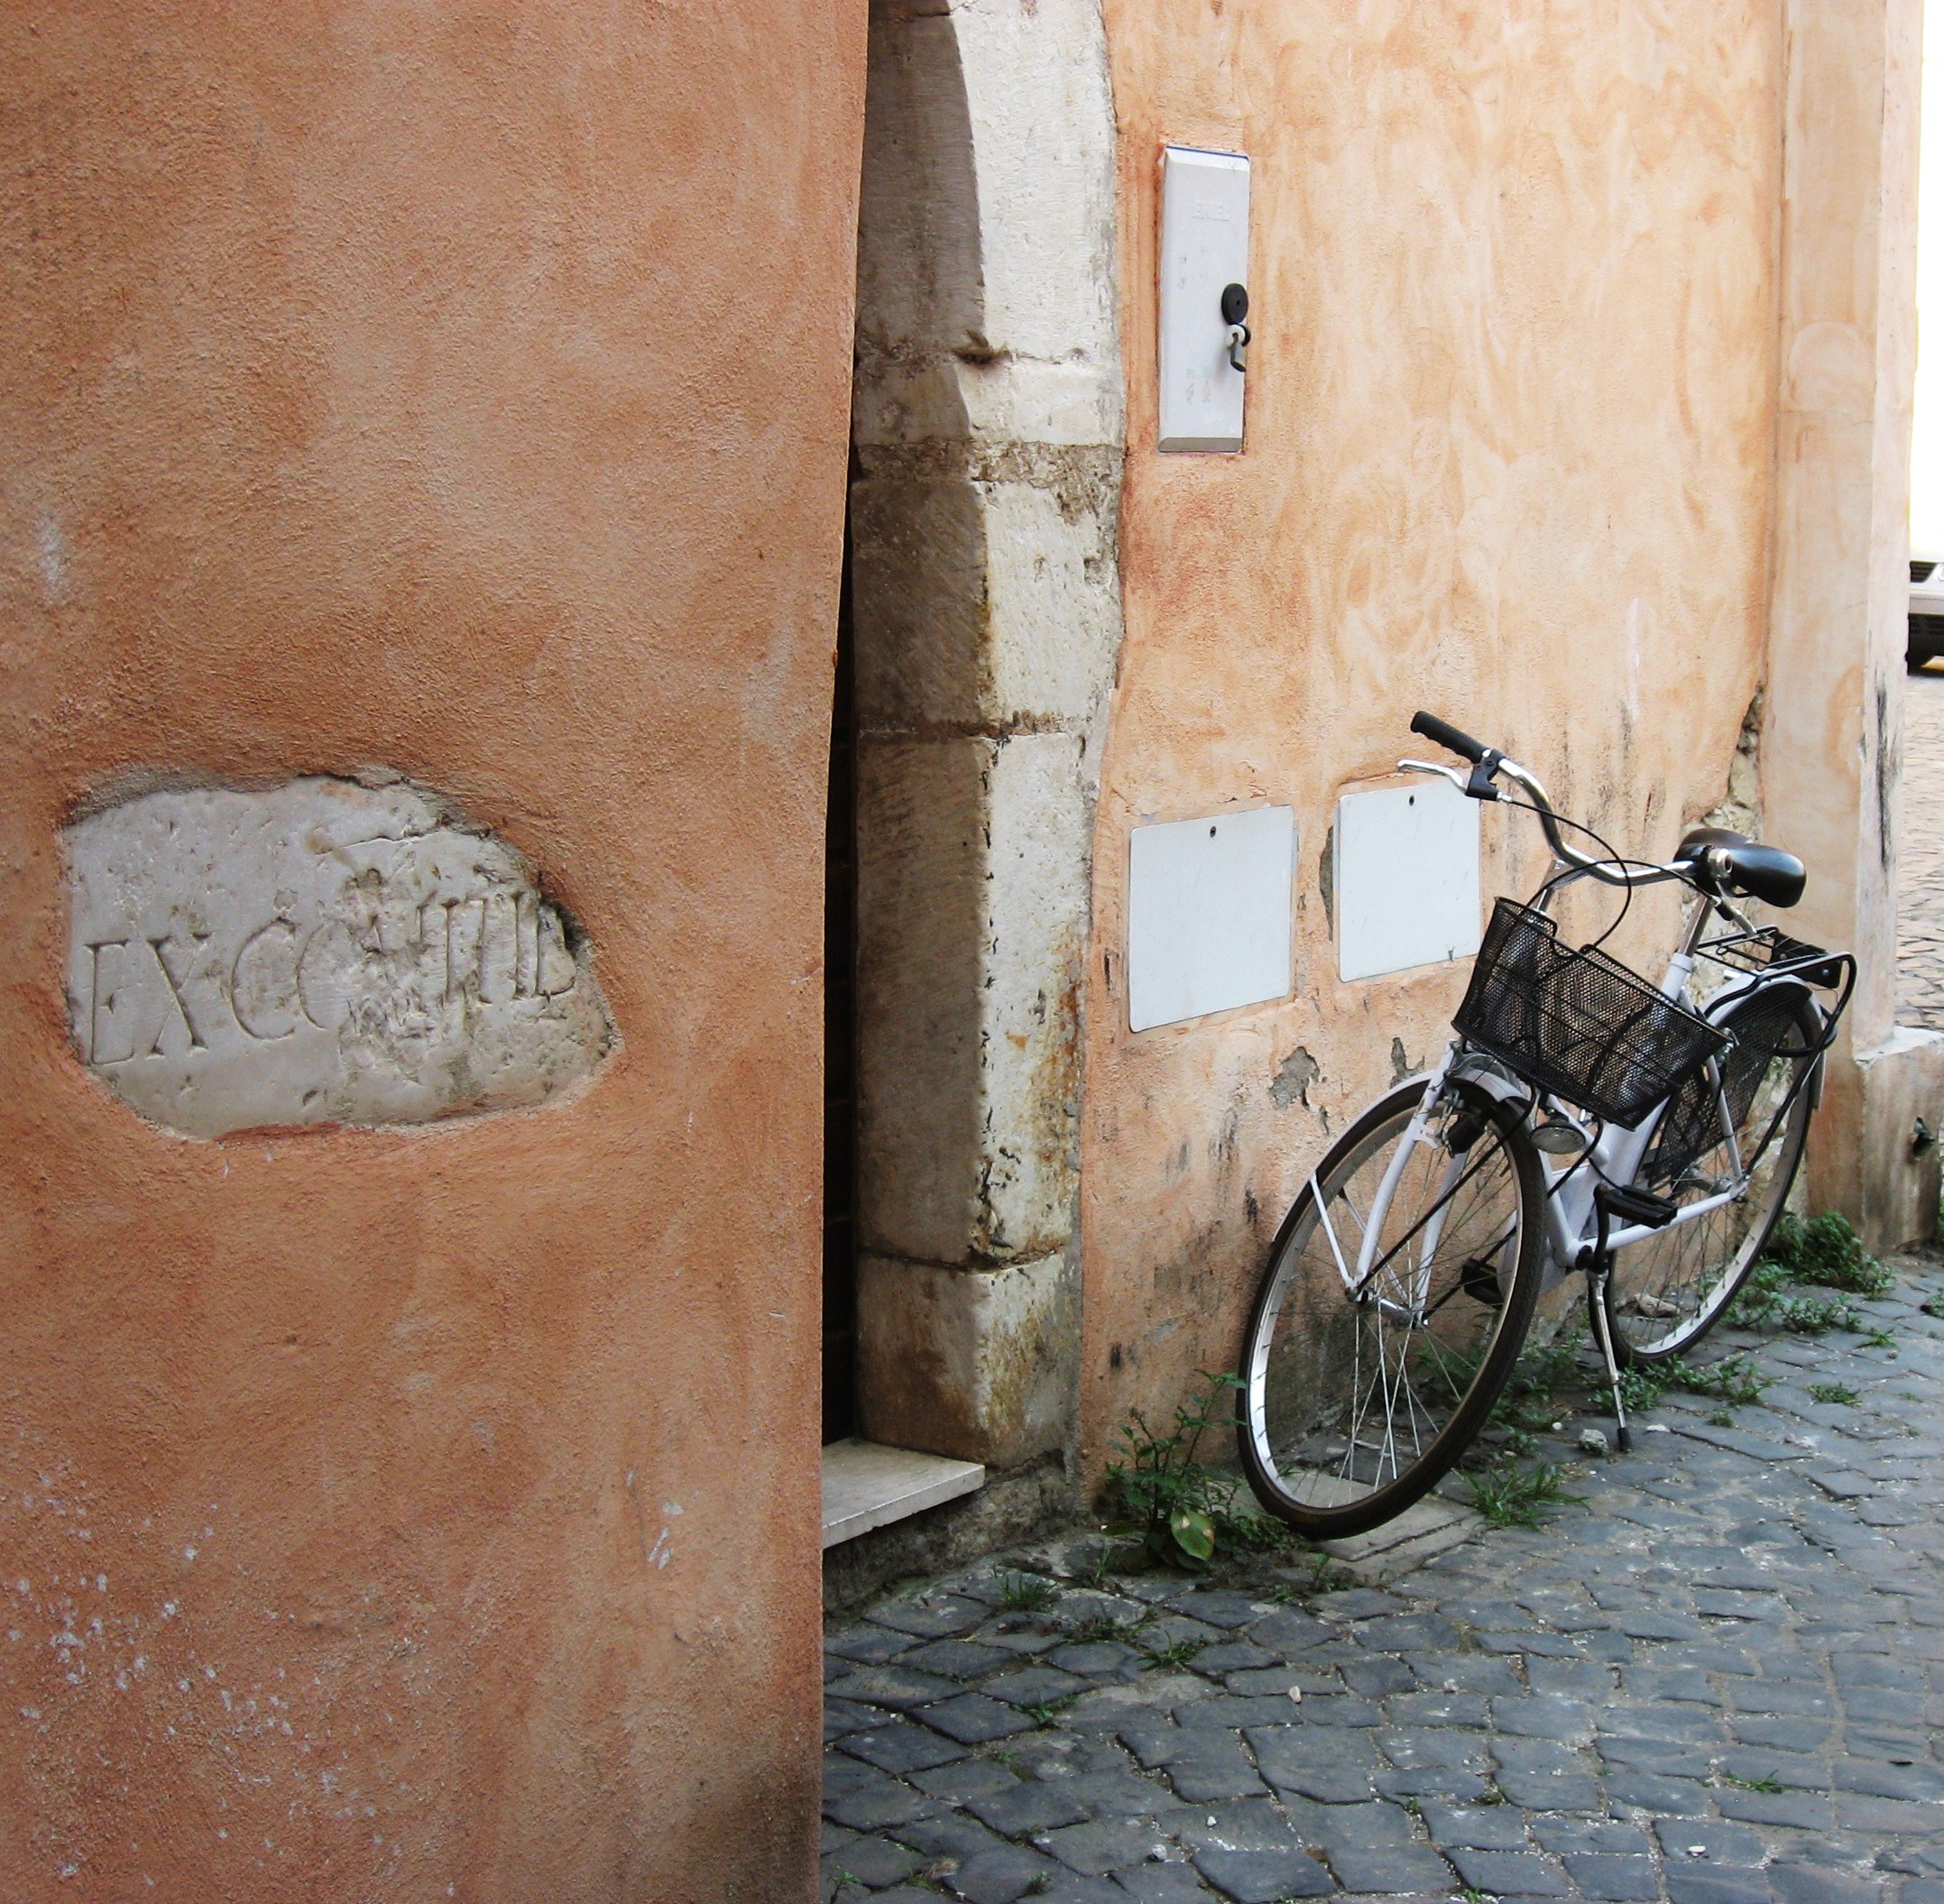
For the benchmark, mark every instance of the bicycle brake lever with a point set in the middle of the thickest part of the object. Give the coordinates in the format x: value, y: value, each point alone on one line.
x: 1433, y: 767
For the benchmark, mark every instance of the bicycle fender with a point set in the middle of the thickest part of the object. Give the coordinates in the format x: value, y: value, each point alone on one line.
x: 1732, y: 993
x: 1491, y: 1077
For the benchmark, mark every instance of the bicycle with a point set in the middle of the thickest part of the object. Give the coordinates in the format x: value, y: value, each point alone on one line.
x: 1582, y: 1121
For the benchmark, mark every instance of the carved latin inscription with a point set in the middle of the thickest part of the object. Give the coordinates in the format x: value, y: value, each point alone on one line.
x: 321, y: 952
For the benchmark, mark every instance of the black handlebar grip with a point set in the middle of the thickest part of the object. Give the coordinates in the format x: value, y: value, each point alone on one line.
x: 1447, y: 736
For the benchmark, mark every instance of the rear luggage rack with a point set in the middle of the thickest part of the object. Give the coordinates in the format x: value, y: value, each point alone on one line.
x: 1771, y: 951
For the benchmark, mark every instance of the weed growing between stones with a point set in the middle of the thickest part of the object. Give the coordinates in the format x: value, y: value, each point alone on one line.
x: 1825, y: 1252
x: 1731, y: 1380
x: 1323, y: 1578
x: 1528, y: 1404
x: 1504, y: 1493
x: 1026, y: 1593
x: 1642, y: 1386
x: 1180, y: 1509
x: 1834, y: 1392
x: 1510, y: 1496
x: 1048, y: 1713
x: 1761, y: 1304
x: 1828, y: 1252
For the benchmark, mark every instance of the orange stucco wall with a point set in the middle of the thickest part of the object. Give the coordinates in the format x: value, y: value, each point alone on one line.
x: 459, y: 390
x: 1509, y: 457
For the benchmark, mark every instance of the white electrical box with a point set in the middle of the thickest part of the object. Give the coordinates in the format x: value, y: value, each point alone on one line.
x: 1204, y: 249
x: 1406, y: 878
x: 1209, y: 911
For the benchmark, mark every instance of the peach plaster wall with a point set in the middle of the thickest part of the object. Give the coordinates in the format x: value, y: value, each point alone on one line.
x: 1509, y: 457
x: 461, y: 390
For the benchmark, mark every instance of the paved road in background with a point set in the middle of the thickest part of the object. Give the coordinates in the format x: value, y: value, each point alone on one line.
x: 1719, y: 1680
x: 1920, y: 870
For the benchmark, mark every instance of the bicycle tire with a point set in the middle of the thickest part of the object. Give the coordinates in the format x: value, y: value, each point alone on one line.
x: 1666, y: 1294
x: 1292, y: 1405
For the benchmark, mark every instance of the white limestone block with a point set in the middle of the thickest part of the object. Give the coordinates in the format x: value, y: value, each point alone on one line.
x: 321, y: 951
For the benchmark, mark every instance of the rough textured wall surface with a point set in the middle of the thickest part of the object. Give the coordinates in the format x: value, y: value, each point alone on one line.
x: 1509, y: 457
x: 427, y: 1514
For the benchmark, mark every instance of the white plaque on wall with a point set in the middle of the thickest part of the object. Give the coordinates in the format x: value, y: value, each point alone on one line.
x: 1405, y: 877
x: 1204, y: 249
x: 1209, y: 907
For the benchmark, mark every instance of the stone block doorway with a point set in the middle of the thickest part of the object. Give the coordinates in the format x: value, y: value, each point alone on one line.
x: 974, y: 661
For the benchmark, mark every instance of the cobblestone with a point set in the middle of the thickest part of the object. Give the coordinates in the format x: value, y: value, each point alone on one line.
x: 1717, y: 1678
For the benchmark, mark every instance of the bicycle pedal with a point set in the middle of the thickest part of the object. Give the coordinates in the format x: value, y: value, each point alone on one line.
x: 1637, y: 1206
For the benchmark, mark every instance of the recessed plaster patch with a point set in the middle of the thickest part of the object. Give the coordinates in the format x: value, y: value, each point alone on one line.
x: 317, y: 952
x: 1291, y: 1084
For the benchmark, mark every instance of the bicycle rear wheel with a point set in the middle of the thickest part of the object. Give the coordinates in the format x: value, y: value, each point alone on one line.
x: 1666, y: 1294
x: 1362, y: 1387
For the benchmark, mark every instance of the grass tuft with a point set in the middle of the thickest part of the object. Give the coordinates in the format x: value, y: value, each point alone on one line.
x: 1510, y: 1496
x: 1828, y: 1252
x: 1048, y: 1711
x: 1102, y: 1626
x: 1729, y: 1380
x: 1825, y: 1252
x: 1834, y: 1392
x: 1026, y: 1593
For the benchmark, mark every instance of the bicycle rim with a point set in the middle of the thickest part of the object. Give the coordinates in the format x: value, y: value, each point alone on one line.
x: 1361, y: 1389
x: 1666, y: 1294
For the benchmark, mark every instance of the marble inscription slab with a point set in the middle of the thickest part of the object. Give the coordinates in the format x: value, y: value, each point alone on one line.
x: 321, y: 951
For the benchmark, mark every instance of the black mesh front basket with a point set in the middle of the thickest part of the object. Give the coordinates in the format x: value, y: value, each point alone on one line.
x: 1578, y: 1023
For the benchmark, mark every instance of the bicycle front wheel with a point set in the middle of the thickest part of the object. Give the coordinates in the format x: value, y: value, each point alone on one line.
x: 1666, y: 1294
x: 1384, y: 1327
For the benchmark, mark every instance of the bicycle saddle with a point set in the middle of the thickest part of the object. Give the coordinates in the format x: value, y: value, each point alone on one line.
x: 1725, y: 861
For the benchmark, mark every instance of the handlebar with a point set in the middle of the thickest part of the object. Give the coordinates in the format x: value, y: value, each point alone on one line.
x: 1488, y: 764
x: 1453, y: 740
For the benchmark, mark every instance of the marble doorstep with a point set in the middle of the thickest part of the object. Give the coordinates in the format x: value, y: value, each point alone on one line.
x: 866, y: 1486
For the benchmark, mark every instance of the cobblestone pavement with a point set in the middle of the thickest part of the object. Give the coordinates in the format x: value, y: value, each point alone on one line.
x: 1717, y: 1679
x: 1921, y: 867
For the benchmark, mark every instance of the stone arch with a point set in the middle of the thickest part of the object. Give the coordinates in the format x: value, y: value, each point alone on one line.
x: 987, y: 435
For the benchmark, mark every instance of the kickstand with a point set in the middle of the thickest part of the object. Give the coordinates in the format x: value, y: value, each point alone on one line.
x: 1597, y: 1273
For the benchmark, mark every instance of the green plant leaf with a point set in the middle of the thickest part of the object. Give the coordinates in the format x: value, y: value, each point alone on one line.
x: 1193, y: 1531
